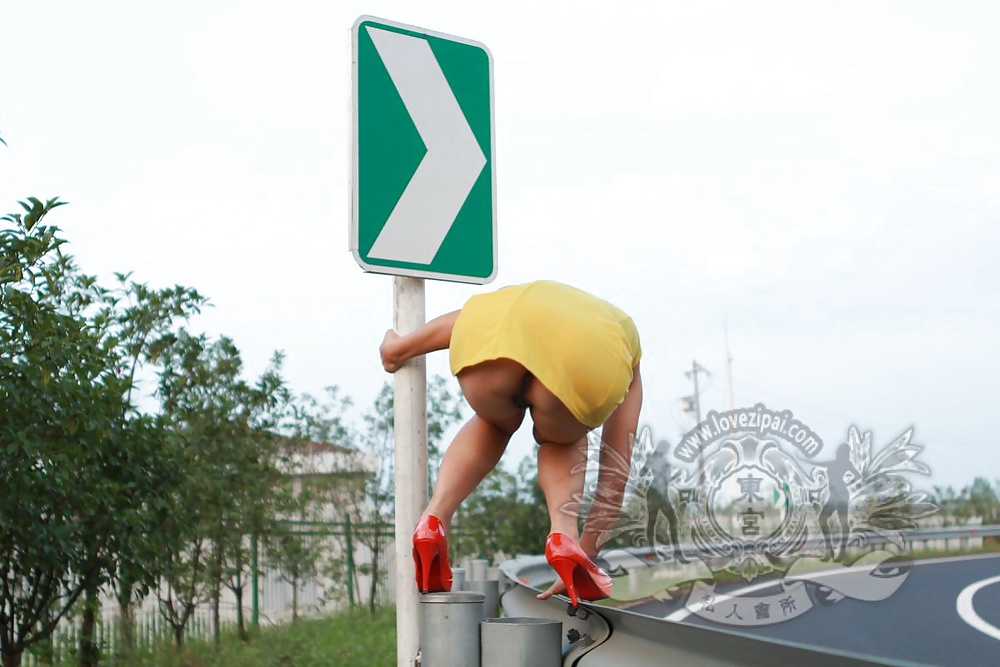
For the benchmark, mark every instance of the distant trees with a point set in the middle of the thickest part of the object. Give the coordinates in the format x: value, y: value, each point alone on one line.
x: 328, y: 471
x: 234, y: 486
x: 977, y: 500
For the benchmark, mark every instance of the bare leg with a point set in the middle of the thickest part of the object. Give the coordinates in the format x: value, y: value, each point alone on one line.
x: 555, y: 463
x: 560, y: 485
x: 493, y: 391
x: 562, y: 447
x: 473, y: 453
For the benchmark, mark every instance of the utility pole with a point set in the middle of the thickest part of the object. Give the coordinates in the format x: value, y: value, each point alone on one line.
x: 729, y: 372
x: 693, y: 374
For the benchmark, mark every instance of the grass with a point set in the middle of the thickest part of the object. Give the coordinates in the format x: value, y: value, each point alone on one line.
x: 348, y: 638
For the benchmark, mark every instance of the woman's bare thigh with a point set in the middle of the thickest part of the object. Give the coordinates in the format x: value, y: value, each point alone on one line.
x: 494, y: 390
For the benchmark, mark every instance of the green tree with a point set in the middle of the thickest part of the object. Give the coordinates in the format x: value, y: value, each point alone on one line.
x: 982, y: 501
x: 140, y: 323
x: 197, y: 404
x: 232, y: 459
x: 60, y: 431
x: 954, y: 506
x: 134, y: 323
x: 112, y: 330
x: 258, y: 495
x: 376, y: 509
x: 328, y: 476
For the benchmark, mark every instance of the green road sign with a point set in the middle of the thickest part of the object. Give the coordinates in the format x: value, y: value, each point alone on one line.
x: 423, y: 182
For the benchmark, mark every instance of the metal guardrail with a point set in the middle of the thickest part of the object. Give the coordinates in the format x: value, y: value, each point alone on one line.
x: 913, y: 537
x: 601, y: 636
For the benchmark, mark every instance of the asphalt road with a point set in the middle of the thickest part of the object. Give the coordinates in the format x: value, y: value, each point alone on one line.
x: 920, y: 623
x: 987, y: 603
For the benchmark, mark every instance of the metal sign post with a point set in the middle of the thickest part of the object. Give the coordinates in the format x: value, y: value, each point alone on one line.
x: 423, y: 206
x: 410, y: 432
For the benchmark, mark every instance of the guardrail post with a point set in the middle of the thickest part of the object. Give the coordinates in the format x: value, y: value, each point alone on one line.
x: 449, y: 629
x: 491, y: 593
x: 478, y: 570
x: 521, y: 642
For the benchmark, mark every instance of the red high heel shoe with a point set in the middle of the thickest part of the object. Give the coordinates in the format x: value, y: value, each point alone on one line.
x: 430, y: 556
x: 583, y: 579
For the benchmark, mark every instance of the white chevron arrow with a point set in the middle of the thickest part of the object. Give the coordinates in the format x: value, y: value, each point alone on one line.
x: 441, y: 183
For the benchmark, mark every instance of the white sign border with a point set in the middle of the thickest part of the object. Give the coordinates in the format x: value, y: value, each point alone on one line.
x: 353, y: 183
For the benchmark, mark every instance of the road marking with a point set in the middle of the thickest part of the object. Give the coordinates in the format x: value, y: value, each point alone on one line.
x: 684, y: 612
x: 681, y: 614
x: 424, y: 214
x: 964, y: 607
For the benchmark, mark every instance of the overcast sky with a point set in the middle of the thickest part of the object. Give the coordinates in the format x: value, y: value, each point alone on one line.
x: 823, y: 177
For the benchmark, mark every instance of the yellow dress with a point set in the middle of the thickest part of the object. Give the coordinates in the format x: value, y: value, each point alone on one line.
x: 580, y: 347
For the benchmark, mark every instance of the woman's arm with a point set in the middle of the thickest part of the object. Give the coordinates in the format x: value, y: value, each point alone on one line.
x: 396, y: 350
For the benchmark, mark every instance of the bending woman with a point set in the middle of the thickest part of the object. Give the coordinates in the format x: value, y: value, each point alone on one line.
x: 569, y: 359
